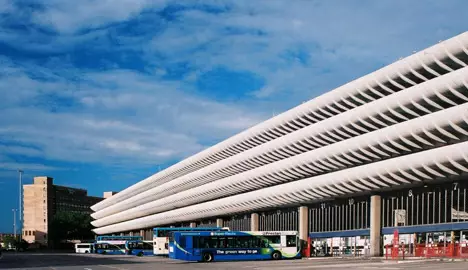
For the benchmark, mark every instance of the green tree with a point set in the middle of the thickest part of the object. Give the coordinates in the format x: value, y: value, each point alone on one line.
x: 10, y: 241
x: 70, y: 226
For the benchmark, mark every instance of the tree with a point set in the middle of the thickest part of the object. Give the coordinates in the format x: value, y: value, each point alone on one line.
x: 10, y: 241
x: 70, y: 226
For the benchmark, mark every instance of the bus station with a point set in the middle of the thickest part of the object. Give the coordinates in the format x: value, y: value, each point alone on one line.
x: 380, y: 161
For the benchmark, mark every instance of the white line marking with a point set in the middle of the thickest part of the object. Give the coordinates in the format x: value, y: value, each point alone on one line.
x: 113, y: 267
x: 343, y: 265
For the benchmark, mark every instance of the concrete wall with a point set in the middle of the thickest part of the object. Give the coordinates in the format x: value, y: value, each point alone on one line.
x: 36, y: 210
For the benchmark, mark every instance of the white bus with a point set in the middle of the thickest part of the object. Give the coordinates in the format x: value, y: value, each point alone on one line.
x: 161, y: 237
x: 84, y: 248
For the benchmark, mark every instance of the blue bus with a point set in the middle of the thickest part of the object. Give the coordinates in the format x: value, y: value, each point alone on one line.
x: 161, y: 236
x: 106, y: 238
x: 139, y: 248
x: 113, y: 245
x: 234, y: 246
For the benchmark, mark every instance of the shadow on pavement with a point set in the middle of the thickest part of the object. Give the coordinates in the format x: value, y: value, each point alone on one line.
x: 36, y: 260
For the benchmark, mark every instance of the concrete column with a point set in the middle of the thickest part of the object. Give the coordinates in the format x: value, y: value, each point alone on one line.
x: 303, y: 224
x: 121, y: 234
x: 254, y: 222
x: 193, y: 224
x: 142, y: 234
x: 131, y: 233
x: 219, y: 222
x: 375, y: 225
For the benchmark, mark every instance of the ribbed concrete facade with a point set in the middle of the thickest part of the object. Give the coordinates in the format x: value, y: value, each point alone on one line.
x: 402, y: 125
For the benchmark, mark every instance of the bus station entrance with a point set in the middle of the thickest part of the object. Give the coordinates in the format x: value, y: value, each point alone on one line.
x: 430, y: 220
x: 340, y: 244
x: 447, y: 240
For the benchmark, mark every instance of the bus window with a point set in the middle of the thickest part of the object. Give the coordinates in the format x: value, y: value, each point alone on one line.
x: 208, y: 242
x: 222, y: 242
x: 182, y: 241
x: 163, y: 233
x: 274, y: 239
x: 171, y: 237
x: 231, y: 243
x: 291, y: 240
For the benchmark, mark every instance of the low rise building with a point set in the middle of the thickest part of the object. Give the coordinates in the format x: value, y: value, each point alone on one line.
x: 43, y: 200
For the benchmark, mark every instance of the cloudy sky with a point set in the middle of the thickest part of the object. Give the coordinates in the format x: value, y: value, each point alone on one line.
x: 102, y: 93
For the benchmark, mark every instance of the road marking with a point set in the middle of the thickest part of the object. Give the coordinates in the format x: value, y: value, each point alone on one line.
x: 113, y: 267
x: 308, y: 266
x: 382, y: 268
x: 88, y: 269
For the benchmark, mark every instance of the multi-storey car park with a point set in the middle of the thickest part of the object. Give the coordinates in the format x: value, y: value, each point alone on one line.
x: 388, y: 150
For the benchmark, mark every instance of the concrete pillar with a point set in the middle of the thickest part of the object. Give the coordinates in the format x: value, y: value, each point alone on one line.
x: 254, y: 222
x: 121, y: 234
x: 375, y: 225
x: 303, y: 224
x: 219, y: 222
x: 131, y: 233
x: 142, y: 234
x: 193, y: 224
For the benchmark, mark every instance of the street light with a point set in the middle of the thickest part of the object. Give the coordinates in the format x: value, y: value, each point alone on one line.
x: 20, y: 203
x: 14, y: 222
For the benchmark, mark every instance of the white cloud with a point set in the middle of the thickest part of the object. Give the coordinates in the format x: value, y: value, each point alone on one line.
x: 20, y: 150
x: 118, y: 116
x: 71, y: 16
x: 299, y: 48
x: 6, y: 6
x: 345, y: 37
x: 26, y: 166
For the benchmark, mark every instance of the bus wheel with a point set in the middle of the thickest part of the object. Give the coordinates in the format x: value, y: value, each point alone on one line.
x: 276, y: 255
x: 104, y: 253
x: 207, y: 257
x: 86, y: 251
x: 140, y: 254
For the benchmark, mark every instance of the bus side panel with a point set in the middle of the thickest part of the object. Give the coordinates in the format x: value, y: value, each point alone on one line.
x: 238, y: 254
x: 290, y: 253
x: 185, y: 252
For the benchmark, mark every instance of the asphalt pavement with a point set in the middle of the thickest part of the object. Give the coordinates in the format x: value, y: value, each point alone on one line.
x: 37, y: 261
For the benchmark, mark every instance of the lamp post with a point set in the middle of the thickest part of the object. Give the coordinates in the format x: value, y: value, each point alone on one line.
x: 20, y: 204
x: 14, y: 222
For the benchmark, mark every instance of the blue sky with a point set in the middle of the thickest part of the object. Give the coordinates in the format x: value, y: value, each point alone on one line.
x: 103, y: 93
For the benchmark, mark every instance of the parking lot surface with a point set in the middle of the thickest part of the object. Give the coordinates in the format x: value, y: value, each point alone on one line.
x: 36, y: 261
